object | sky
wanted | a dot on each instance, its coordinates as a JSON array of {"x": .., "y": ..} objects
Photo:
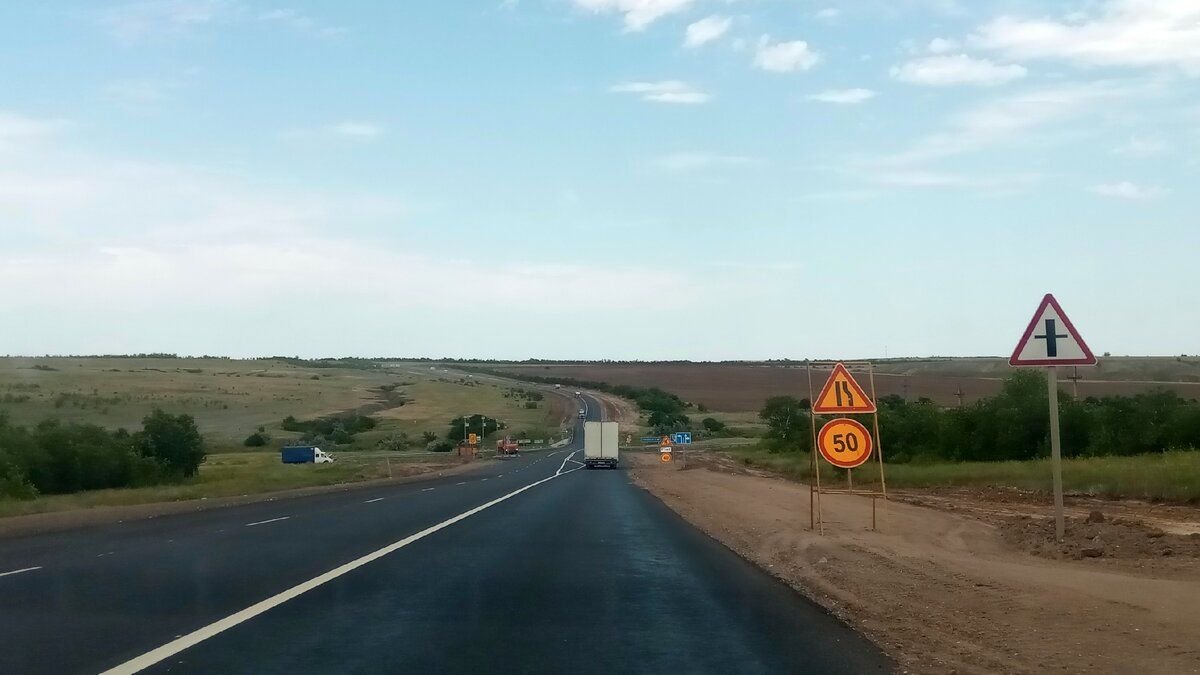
[{"x": 592, "y": 179}]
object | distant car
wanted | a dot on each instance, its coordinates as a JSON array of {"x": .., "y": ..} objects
[
  {"x": 582, "y": 413},
  {"x": 558, "y": 386},
  {"x": 579, "y": 393}
]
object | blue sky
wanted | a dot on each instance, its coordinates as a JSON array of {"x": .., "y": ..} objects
[{"x": 705, "y": 179}]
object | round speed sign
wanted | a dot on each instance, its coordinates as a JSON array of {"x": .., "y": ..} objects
[{"x": 844, "y": 443}]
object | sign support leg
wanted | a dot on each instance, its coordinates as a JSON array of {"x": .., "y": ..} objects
[
  {"x": 814, "y": 513},
  {"x": 1055, "y": 453}
]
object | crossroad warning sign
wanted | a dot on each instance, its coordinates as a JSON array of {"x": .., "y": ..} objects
[
  {"x": 841, "y": 394},
  {"x": 845, "y": 443},
  {"x": 1051, "y": 340},
  {"x": 665, "y": 442}
]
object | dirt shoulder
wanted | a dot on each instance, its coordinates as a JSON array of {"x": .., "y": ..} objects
[
  {"x": 56, "y": 521},
  {"x": 969, "y": 589}
]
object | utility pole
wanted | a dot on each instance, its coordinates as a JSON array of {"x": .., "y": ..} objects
[
  {"x": 959, "y": 394},
  {"x": 1075, "y": 382}
]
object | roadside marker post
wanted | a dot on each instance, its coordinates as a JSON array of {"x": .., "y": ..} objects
[
  {"x": 843, "y": 442},
  {"x": 1051, "y": 348}
]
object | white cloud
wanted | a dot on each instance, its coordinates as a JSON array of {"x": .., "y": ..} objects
[
  {"x": 1121, "y": 33},
  {"x": 301, "y": 23},
  {"x": 843, "y": 96},
  {"x": 665, "y": 91},
  {"x": 706, "y": 30},
  {"x": 15, "y": 128},
  {"x": 942, "y": 45},
  {"x": 138, "y": 93},
  {"x": 956, "y": 69},
  {"x": 1142, "y": 147},
  {"x": 915, "y": 178},
  {"x": 136, "y": 21},
  {"x": 1009, "y": 118},
  {"x": 693, "y": 161},
  {"x": 638, "y": 14},
  {"x": 828, "y": 14},
  {"x": 1126, "y": 190},
  {"x": 784, "y": 57},
  {"x": 357, "y": 129}
]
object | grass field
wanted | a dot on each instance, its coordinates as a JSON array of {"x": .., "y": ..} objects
[
  {"x": 231, "y": 398},
  {"x": 241, "y": 473},
  {"x": 1171, "y": 476}
]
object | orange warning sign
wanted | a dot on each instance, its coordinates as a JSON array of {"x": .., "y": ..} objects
[
  {"x": 665, "y": 443},
  {"x": 844, "y": 443},
  {"x": 665, "y": 456},
  {"x": 841, "y": 394}
]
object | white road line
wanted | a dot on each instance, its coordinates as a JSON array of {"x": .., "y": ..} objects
[
  {"x": 23, "y": 569},
  {"x": 564, "y": 464},
  {"x": 462, "y": 483},
  {"x": 200, "y": 635},
  {"x": 372, "y": 501},
  {"x": 264, "y": 522},
  {"x": 482, "y": 480},
  {"x": 428, "y": 489}
]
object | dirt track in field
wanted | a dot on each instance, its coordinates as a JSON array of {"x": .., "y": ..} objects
[
  {"x": 739, "y": 387},
  {"x": 964, "y": 583}
]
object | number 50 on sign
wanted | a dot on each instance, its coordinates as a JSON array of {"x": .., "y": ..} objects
[{"x": 844, "y": 443}]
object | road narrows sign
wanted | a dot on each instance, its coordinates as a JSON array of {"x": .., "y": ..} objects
[
  {"x": 844, "y": 443},
  {"x": 841, "y": 394},
  {"x": 1051, "y": 340}
]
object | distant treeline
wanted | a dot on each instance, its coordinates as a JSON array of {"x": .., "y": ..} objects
[
  {"x": 55, "y": 457},
  {"x": 1012, "y": 425}
]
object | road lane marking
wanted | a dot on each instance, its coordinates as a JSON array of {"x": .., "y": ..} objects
[
  {"x": 201, "y": 634},
  {"x": 462, "y": 483},
  {"x": 372, "y": 501},
  {"x": 264, "y": 522},
  {"x": 564, "y": 464},
  {"x": 428, "y": 489},
  {"x": 23, "y": 569}
]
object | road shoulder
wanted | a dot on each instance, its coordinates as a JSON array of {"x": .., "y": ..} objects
[{"x": 939, "y": 591}]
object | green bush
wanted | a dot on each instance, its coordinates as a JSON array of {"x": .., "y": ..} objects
[
  {"x": 256, "y": 440},
  {"x": 441, "y": 446}
]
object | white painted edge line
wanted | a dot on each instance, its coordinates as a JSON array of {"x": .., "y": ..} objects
[
  {"x": 372, "y": 501},
  {"x": 564, "y": 464},
  {"x": 461, "y": 483},
  {"x": 23, "y": 569},
  {"x": 200, "y": 635},
  {"x": 428, "y": 489},
  {"x": 264, "y": 522}
]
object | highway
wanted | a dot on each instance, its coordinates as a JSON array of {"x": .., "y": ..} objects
[{"x": 525, "y": 565}]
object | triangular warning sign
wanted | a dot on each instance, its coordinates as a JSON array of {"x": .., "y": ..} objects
[
  {"x": 841, "y": 394},
  {"x": 1051, "y": 340},
  {"x": 665, "y": 442}
]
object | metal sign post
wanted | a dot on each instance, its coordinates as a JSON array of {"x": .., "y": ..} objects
[{"x": 1055, "y": 454}]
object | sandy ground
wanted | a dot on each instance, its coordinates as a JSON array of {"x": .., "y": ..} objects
[{"x": 977, "y": 586}]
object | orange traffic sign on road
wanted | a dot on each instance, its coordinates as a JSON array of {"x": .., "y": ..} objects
[
  {"x": 841, "y": 394},
  {"x": 844, "y": 443},
  {"x": 665, "y": 456},
  {"x": 665, "y": 443},
  {"x": 474, "y": 438}
]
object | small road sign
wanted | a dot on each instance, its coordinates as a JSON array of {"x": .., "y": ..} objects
[
  {"x": 841, "y": 394},
  {"x": 681, "y": 437},
  {"x": 844, "y": 443},
  {"x": 665, "y": 455},
  {"x": 649, "y": 440},
  {"x": 665, "y": 442},
  {"x": 473, "y": 439},
  {"x": 1051, "y": 340}
]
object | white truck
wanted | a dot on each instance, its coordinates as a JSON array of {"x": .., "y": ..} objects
[{"x": 600, "y": 444}]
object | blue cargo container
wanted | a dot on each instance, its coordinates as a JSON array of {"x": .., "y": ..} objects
[{"x": 304, "y": 454}]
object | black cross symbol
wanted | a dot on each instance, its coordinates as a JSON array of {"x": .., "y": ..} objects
[{"x": 1051, "y": 339}]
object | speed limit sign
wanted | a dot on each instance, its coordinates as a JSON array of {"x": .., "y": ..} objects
[{"x": 844, "y": 443}]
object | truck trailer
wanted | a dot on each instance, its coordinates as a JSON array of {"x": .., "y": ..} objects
[
  {"x": 305, "y": 454},
  {"x": 600, "y": 444}
]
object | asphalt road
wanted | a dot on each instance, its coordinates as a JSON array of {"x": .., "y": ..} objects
[{"x": 560, "y": 570}]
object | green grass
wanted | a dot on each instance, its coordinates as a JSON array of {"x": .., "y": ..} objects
[
  {"x": 1171, "y": 476},
  {"x": 233, "y": 474},
  {"x": 231, "y": 398}
]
